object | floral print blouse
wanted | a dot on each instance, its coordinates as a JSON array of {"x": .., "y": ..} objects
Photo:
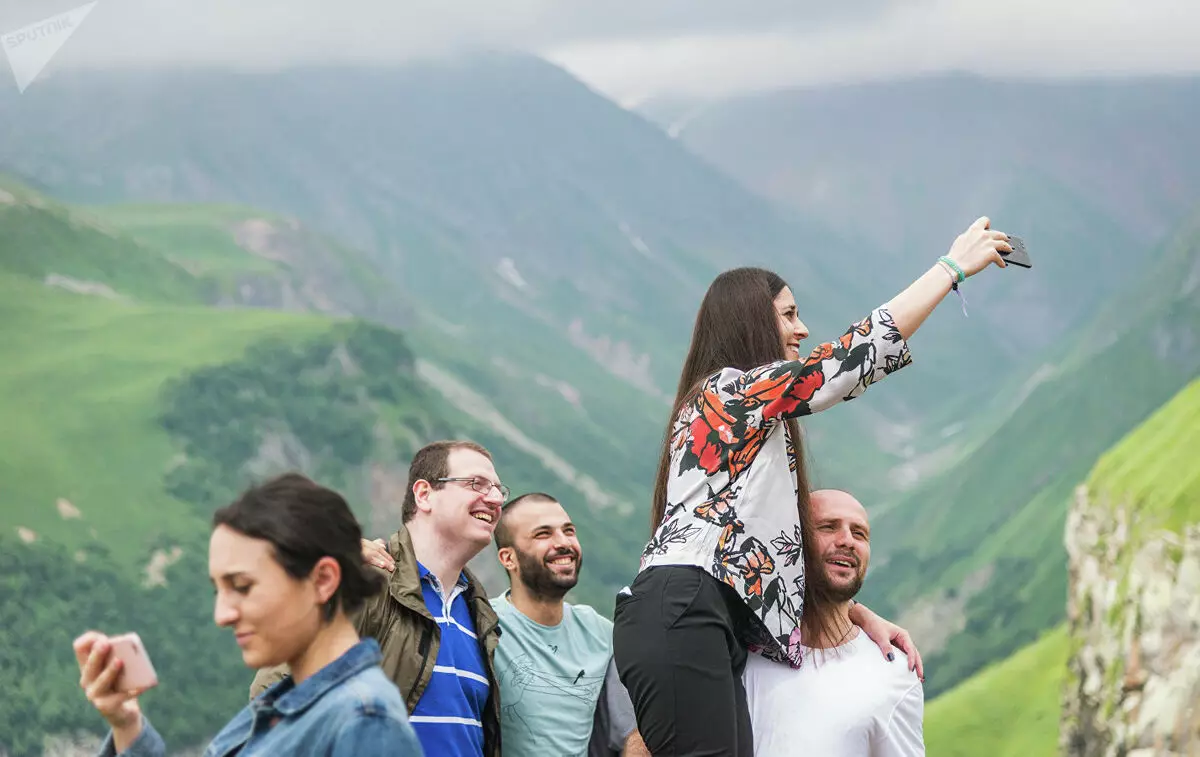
[{"x": 731, "y": 491}]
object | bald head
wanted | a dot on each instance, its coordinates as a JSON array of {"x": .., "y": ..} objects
[
  {"x": 836, "y": 501},
  {"x": 842, "y": 541}
]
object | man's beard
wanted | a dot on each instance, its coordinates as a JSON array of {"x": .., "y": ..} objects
[
  {"x": 540, "y": 580},
  {"x": 843, "y": 592},
  {"x": 846, "y": 592}
]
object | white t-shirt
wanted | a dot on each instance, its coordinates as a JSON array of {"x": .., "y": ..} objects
[{"x": 850, "y": 704}]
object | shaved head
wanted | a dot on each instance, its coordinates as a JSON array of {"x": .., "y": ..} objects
[
  {"x": 833, "y": 499},
  {"x": 842, "y": 541}
]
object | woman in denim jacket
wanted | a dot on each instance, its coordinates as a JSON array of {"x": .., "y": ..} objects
[{"x": 286, "y": 562}]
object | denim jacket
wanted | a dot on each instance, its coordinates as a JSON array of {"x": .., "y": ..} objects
[{"x": 347, "y": 709}]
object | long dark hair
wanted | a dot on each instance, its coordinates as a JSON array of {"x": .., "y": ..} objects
[
  {"x": 737, "y": 326},
  {"x": 304, "y": 522}
]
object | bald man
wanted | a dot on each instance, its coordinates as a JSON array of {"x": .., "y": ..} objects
[{"x": 846, "y": 700}]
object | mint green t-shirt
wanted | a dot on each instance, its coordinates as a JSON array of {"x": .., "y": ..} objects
[{"x": 550, "y": 679}]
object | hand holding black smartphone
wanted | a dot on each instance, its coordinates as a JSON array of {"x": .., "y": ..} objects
[{"x": 1018, "y": 256}]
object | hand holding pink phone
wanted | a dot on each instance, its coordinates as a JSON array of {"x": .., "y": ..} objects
[{"x": 112, "y": 672}]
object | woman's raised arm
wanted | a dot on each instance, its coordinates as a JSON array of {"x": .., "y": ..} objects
[{"x": 974, "y": 249}]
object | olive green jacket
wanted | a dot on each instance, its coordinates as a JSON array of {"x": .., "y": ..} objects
[{"x": 409, "y": 636}]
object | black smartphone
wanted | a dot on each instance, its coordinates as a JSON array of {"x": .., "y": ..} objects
[{"x": 1018, "y": 256}]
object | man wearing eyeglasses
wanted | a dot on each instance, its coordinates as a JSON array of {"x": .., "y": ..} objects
[{"x": 433, "y": 622}]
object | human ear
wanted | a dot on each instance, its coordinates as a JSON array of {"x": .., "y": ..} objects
[
  {"x": 507, "y": 557},
  {"x": 421, "y": 490},
  {"x": 326, "y": 576}
]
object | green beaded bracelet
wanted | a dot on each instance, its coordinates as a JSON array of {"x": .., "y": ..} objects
[{"x": 961, "y": 276}]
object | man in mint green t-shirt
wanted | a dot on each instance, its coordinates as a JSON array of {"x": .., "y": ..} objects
[{"x": 554, "y": 659}]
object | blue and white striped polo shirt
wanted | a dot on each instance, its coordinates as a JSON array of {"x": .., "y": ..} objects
[{"x": 448, "y": 717}]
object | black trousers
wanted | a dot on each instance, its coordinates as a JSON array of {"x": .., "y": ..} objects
[{"x": 676, "y": 642}]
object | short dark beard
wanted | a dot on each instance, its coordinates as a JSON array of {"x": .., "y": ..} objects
[
  {"x": 539, "y": 580},
  {"x": 842, "y": 593}
]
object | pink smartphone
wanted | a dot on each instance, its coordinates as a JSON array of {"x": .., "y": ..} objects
[{"x": 137, "y": 671}]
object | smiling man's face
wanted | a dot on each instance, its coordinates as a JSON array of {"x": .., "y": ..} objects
[
  {"x": 545, "y": 555},
  {"x": 459, "y": 508},
  {"x": 843, "y": 541}
]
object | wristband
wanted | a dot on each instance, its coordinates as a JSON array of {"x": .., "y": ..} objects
[
  {"x": 956, "y": 277},
  {"x": 954, "y": 266}
]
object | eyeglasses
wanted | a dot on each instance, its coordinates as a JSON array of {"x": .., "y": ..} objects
[{"x": 480, "y": 484}]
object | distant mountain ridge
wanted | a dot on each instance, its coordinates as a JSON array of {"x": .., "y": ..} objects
[
  {"x": 1091, "y": 173},
  {"x": 953, "y": 140}
]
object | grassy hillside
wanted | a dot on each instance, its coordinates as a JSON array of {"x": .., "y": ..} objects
[
  {"x": 1154, "y": 469},
  {"x": 201, "y": 236},
  {"x": 575, "y": 413},
  {"x": 249, "y": 257},
  {"x": 42, "y": 239},
  {"x": 80, "y": 379},
  {"x": 1008, "y": 709},
  {"x": 1001, "y": 507}
]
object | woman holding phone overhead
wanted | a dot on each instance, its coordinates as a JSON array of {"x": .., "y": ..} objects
[
  {"x": 723, "y": 575},
  {"x": 286, "y": 561}
]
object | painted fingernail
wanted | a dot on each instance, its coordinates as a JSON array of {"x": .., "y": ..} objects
[{"x": 891, "y": 656}]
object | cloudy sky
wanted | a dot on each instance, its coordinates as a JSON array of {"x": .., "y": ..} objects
[{"x": 633, "y": 50}]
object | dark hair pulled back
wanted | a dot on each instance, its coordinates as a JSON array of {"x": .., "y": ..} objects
[{"x": 305, "y": 522}]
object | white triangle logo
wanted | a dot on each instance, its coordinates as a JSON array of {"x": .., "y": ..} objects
[{"x": 30, "y": 48}]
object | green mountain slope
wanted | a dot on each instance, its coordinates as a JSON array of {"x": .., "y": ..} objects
[
  {"x": 1009, "y": 709},
  {"x": 80, "y": 382},
  {"x": 1133, "y": 546},
  {"x": 248, "y": 257},
  {"x": 986, "y": 535},
  {"x": 42, "y": 239},
  {"x": 1013, "y": 707},
  {"x": 1154, "y": 470}
]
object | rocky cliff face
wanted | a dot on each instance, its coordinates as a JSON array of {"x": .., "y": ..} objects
[{"x": 1133, "y": 689}]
